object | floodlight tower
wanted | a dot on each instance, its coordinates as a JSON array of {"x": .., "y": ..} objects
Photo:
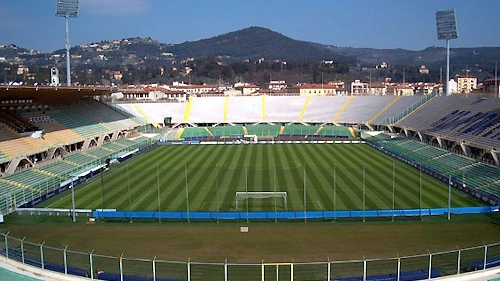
[
  {"x": 67, "y": 9},
  {"x": 446, "y": 30}
]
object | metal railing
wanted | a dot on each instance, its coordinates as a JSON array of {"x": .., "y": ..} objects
[
  {"x": 102, "y": 267},
  {"x": 410, "y": 109}
]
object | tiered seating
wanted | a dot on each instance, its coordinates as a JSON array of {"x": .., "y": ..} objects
[
  {"x": 156, "y": 112},
  {"x": 323, "y": 109},
  {"x": 80, "y": 158},
  {"x": 227, "y": 130},
  {"x": 459, "y": 118},
  {"x": 207, "y": 109},
  {"x": 412, "y": 145},
  {"x": 244, "y": 109},
  {"x": 13, "y": 194},
  {"x": 113, "y": 146},
  {"x": 451, "y": 161},
  {"x": 362, "y": 109},
  {"x": 125, "y": 142},
  {"x": 34, "y": 179},
  {"x": 465, "y": 170},
  {"x": 28, "y": 184},
  {"x": 99, "y": 152},
  {"x": 195, "y": 132},
  {"x": 434, "y": 110},
  {"x": 300, "y": 130},
  {"x": 399, "y": 106},
  {"x": 16, "y": 122},
  {"x": 111, "y": 118},
  {"x": 60, "y": 168},
  {"x": 248, "y": 109},
  {"x": 338, "y": 131},
  {"x": 263, "y": 130},
  {"x": 429, "y": 152},
  {"x": 275, "y": 110}
]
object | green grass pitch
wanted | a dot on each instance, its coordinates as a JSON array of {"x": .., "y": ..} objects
[{"x": 206, "y": 178}]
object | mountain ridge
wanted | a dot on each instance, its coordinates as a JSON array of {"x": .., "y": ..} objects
[{"x": 256, "y": 42}]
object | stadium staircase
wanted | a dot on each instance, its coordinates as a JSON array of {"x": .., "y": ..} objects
[
  {"x": 383, "y": 110},
  {"x": 143, "y": 114},
  {"x": 226, "y": 104},
  {"x": 342, "y": 109},
  {"x": 304, "y": 108},
  {"x": 187, "y": 111}
]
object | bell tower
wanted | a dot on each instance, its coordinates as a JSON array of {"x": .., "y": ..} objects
[{"x": 54, "y": 76}]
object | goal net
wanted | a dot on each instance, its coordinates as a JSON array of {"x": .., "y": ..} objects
[
  {"x": 277, "y": 271},
  {"x": 261, "y": 195},
  {"x": 261, "y": 187}
]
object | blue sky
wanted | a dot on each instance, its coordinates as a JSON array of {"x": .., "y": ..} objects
[{"x": 407, "y": 24}]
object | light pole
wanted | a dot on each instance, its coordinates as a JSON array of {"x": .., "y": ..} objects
[
  {"x": 446, "y": 30},
  {"x": 67, "y": 9},
  {"x": 73, "y": 210}
]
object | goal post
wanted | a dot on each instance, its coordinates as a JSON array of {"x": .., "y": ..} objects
[
  {"x": 276, "y": 266},
  {"x": 245, "y": 195}
]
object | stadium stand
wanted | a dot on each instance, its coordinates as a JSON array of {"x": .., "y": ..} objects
[
  {"x": 275, "y": 112},
  {"x": 470, "y": 119},
  {"x": 477, "y": 178},
  {"x": 264, "y": 130},
  {"x": 227, "y": 130},
  {"x": 84, "y": 131}
]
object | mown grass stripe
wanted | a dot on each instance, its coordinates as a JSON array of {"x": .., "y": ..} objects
[
  {"x": 167, "y": 164},
  {"x": 321, "y": 182}
]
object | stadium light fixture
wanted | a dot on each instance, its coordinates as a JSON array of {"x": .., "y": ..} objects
[
  {"x": 67, "y": 9},
  {"x": 446, "y": 30}
]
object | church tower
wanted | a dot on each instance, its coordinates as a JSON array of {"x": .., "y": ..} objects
[{"x": 54, "y": 76}]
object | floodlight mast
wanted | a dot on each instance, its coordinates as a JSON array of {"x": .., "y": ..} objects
[
  {"x": 67, "y": 9},
  {"x": 446, "y": 30}
]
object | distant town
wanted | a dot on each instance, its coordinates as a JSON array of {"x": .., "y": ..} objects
[{"x": 144, "y": 69}]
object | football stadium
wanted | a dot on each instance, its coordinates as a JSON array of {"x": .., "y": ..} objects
[{"x": 271, "y": 170}]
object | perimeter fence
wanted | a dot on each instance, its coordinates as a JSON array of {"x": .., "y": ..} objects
[{"x": 102, "y": 267}]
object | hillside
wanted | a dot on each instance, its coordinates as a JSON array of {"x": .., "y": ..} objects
[
  {"x": 233, "y": 56},
  {"x": 254, "y": 43}
]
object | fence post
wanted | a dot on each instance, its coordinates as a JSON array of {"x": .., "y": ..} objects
[
  {"x": 41, "y": 255},
  {"x": 364, "y": 268},
  {"x": 458, "y": 260},
  {"x": 22, "y": 249},
  {"x": 485, "y": 256},
  {"x": 121, "y": 267},
  {"x": 6, "y": 244},
  {"x": 399, "y": 267},
  {"x": 65, "y": 261},
  {"x": 329, "y": 270},
  {"x": 225, "y": 270},
  {"x": 430, "y": 265},
  {"x": 189, "y": 270},
  {"x": 154, "y": 269},
  {"x": 91, "y": 265}
]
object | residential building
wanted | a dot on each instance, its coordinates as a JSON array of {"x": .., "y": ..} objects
[
  {"x": 377, "y": 89},
  {"x": 312, "y": 89},
  {"x": 276, "y": 85},
  {"x": 453, "y": 86},
  {"x": 423, "y": 70},
  {"x": 466, "y": 84},
  {"x": 359, "y": 88},
  {"x": 246, "y": 89}
]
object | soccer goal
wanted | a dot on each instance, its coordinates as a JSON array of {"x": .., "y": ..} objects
[
  {"x": 260, "y": 195},
  {"x": 277, "y": 266}
]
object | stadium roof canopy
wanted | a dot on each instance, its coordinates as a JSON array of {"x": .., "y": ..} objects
[{"x": 50, "y": 95}]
